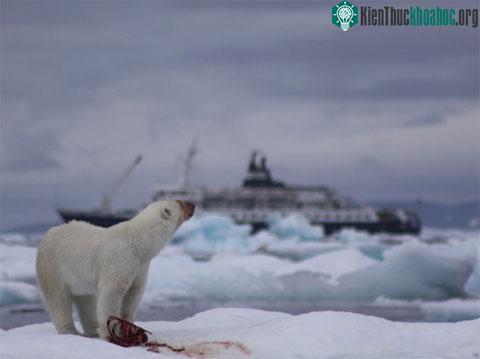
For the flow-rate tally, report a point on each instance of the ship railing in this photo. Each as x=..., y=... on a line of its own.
x=345, y=215
x=365, y=215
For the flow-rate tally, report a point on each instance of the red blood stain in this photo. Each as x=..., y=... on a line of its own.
x=127, y=334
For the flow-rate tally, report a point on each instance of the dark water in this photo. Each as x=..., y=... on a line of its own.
x=23, y=315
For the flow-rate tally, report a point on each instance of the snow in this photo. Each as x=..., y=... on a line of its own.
x=259, y=334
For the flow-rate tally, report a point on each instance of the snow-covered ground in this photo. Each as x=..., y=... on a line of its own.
x=248, y=333
x=211, y=259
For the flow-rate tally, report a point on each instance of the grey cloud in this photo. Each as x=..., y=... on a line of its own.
x=325, y=105
x=373, y=166
x=27, y=150
x=428, y=120
x=34, y=161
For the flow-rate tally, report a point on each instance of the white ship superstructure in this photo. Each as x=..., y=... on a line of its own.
x=260, y=198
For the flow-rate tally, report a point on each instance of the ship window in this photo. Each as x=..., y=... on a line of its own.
x=277, y=202
x=248, y=203
x=214, y=202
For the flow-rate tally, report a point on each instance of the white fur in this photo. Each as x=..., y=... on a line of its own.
x=101, y=270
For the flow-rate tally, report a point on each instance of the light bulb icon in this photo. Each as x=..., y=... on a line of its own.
x=344, y=14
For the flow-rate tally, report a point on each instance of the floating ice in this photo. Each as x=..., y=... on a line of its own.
x=353, y=235
x=243, y=333
x=334, y=264
x=17, y=293
x=211, y=234
x=473, y=284
x=273, y=265
x=14, y=238
x=414, y=271
x=411, y=271
x=17, y=275
x=452, y=310
x=295, y=226
x=298, y=250
x=17, y=263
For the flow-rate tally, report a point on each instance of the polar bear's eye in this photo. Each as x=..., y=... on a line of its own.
x=165, y=214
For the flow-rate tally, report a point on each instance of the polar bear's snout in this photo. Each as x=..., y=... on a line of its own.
x=187, y=209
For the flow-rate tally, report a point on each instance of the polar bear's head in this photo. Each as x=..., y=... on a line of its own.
x=168, y=215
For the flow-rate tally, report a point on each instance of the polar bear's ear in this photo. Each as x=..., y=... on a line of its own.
x=166, y=214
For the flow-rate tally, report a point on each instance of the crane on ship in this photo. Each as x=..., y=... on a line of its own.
x=185, y=164
x=107, y=197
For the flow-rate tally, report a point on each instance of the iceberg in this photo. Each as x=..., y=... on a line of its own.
x=17, y=263
x=452, y=310
x=334, y=264
x=472, y=287
x=210, y=234
x=295, y=226
x=411, y=271
x=17, y=275
x=213, y=259
x=18, y=293
x=414, y=271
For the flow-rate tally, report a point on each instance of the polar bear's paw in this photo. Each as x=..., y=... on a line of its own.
x=102, y=333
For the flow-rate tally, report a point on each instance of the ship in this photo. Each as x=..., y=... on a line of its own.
x=259, y=200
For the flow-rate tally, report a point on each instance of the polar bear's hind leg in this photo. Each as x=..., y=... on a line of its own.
x=56, y=295
x=60, y=307
x=87, y=311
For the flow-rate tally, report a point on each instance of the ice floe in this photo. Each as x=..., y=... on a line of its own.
x=213, y=259
x=248, y=333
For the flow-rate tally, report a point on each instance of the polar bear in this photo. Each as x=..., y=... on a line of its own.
x=103, y=270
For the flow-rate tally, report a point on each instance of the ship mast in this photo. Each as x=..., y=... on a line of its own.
x=107, y=197
x=186, y=162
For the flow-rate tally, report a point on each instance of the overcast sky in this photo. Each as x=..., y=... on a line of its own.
x=382, y=113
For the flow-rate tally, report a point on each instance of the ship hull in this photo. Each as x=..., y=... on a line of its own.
x=380, y=227
x=333, y=227
x=98, y=219
x=108, y=220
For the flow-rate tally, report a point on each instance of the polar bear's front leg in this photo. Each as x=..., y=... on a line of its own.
x=133, y=297
x=109, y=302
